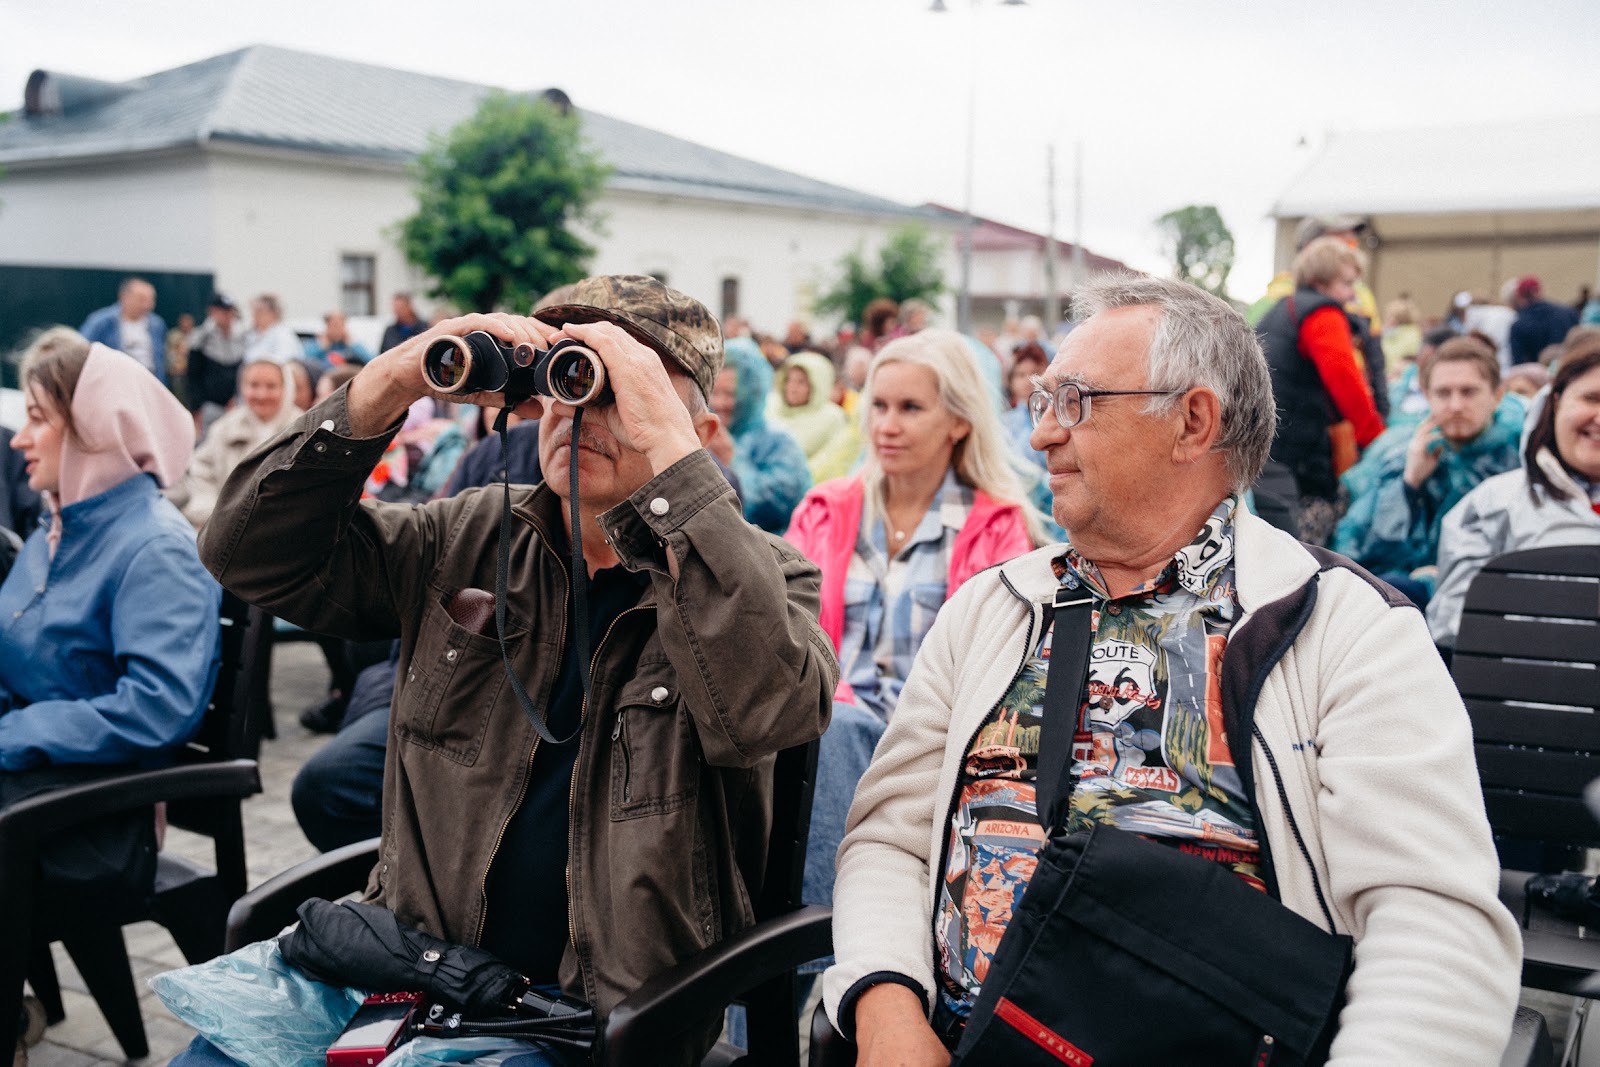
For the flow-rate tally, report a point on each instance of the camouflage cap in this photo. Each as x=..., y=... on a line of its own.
x=677, y=326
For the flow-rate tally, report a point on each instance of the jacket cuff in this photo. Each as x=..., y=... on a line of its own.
x=641, y=524
x=847, y=1003
x=326, y=441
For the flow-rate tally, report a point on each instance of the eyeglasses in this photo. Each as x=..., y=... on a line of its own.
x=1071, y=400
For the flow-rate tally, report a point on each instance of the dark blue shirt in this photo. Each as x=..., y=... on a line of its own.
x=526, y=921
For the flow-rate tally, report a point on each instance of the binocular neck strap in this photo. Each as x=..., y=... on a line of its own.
x=579, y=582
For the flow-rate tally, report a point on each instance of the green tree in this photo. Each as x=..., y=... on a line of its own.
x=907, y=267
x=498, y=202
x=1201, y=246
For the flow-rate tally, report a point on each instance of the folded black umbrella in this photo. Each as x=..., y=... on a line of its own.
x=365, y=946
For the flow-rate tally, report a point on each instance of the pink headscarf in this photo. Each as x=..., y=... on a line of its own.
x=126, y=423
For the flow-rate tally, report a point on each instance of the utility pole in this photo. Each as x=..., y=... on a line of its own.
x=1052, y=291
x=1079, y=270
x=968, y=221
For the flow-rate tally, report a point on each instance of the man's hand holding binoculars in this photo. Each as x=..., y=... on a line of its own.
x=446, y=361
x=649, y=416
x=391, y=383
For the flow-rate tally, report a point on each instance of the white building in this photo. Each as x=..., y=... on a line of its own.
x=1012, y=269
x=273, y=170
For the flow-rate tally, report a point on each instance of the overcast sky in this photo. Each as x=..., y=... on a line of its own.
x=1173, y=101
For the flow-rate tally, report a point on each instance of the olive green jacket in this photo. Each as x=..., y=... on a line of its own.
x=719, y=666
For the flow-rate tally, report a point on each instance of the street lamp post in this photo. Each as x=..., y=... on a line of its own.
x=968, y=221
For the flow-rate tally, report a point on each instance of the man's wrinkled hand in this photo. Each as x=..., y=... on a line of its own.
x=650, y=417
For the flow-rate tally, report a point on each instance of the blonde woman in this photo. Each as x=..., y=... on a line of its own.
x=936, y=501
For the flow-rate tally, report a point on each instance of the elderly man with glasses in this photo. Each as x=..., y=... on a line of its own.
x=1248, y=700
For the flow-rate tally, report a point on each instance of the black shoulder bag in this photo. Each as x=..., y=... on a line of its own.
x=1128, y=952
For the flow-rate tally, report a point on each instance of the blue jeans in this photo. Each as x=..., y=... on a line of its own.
x=846, y=750
x=202, y=1053
x=338, y=793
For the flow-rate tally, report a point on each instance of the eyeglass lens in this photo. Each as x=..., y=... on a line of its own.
x=1068, y=402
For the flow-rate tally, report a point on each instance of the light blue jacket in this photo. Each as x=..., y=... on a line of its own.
x=105, y=326
x=1391, y=527
x=108, y=652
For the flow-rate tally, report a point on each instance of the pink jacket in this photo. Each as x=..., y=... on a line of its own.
x=827, y=521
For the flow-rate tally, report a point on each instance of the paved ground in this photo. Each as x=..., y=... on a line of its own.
x=273, y=842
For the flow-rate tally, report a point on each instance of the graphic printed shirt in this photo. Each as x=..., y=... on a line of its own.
x=1150, y=752
x=890, y=603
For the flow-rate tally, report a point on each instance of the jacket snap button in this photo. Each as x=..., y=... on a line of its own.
x=658, y=694
x=411, y=676
x=327, y=424
x=659, y=506
x=321, y=446
x=432, y=955
x=451, y=655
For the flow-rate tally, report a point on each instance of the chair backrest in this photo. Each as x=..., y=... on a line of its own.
x=1527, y=662
x=794, y=779
x=235, y=717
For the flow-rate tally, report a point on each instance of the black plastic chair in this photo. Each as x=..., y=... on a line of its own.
x=755, y=968
x=1527, y=663
x=203, y=791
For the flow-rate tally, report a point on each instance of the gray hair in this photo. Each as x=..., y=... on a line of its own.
x=1200, y=341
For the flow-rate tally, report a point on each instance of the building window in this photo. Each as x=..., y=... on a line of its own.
x=730, y=296
x=357, y=285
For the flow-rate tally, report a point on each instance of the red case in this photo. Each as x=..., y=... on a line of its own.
x=378, y=1027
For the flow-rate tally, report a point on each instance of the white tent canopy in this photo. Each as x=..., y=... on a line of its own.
x=1535, y=165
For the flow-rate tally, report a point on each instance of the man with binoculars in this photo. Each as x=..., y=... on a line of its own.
x=590, y=817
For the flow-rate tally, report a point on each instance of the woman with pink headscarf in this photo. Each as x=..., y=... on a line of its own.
x=108, y=621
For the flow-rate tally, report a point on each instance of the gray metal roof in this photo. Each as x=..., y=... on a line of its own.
x=278, y=97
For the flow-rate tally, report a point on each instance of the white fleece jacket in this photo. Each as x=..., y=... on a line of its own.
x=1358, y=727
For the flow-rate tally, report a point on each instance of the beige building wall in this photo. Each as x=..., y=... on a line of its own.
x=1432, y=257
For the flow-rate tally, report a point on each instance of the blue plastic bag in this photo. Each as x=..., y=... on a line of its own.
x=477, y=1051
x=257, y=1009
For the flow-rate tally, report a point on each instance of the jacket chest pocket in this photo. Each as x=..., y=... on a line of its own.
x=451, y=686
x=655, y=755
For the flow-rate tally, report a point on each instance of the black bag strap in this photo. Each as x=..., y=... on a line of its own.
x=1063, y=697
x=580, y=579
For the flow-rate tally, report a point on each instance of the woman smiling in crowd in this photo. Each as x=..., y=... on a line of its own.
x=1553, y=498
x=262, y=411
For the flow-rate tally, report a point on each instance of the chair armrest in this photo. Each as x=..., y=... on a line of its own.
x=271, y=906
x=830, y=1048
x=60, y=809
x=1530, y=1044
x=683, y=995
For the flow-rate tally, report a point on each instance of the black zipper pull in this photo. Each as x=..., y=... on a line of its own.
x=1264, y=1050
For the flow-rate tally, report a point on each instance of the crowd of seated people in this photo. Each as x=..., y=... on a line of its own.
x=886, y=456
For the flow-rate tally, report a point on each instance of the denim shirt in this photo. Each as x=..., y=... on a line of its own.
x=890, y=603
x=109, y=650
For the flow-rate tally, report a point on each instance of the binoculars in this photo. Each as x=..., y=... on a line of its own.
x=482, y=363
